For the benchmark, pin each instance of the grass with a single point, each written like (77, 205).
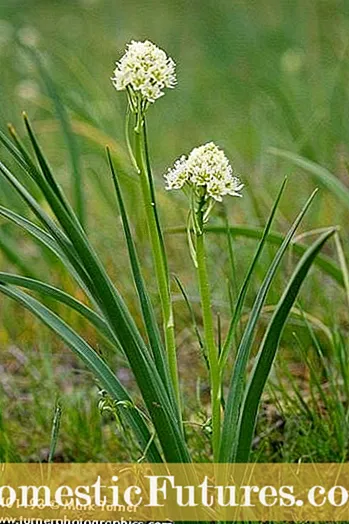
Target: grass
(251, 77)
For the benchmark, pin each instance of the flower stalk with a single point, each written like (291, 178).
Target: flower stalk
(211, 347)
(157, 252)
(143, 72)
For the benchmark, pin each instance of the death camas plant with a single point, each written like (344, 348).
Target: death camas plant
(206, 176)
(144, 72)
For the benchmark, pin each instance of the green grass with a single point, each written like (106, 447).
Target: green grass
(251, 76)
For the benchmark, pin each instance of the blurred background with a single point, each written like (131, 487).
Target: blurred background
(252, 75)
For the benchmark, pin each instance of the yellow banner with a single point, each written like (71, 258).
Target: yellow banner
(171, 492)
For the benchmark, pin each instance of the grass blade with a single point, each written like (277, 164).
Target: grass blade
(69, 136)
(325, 177)
(233, 405)
(268, 349)
(55, 431)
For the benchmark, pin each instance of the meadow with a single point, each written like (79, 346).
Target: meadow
(268, 82)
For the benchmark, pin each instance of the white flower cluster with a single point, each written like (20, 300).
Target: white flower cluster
(206, 167)
(146, 69)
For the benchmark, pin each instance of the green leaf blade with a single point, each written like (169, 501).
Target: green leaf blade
(243, 291)
(275, 239)
(235, 395)
(325, 177)
(81, 254)
(268, 349)
(64, 298)
(92, 360)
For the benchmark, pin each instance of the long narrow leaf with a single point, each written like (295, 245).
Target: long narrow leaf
(333, 184)
(233, 405)
(94, 363)
(9, 250)
(64, 298)
(51, 189)
(268, 349)
(49, 242)
(69, 136)
(56, 232)
(18, 157)
(144, 299)
(118, 318)
(276, 239)
(243, 291)
(24, 160)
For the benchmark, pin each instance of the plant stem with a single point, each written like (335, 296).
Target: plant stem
(158, 257)
(211, 348)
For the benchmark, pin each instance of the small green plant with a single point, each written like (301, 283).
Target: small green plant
(206, 176)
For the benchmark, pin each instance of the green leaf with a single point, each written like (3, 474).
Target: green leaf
(19, 159)
(325, 177)
(243, 291)
(48, 241)
(58, 235)
(144, 299)
(47, 182)
(80, 253)
(268, 349)
(235, 394)
(275, 239)
(94, 363)
(8, 248)
(69, 136)
(64, 298)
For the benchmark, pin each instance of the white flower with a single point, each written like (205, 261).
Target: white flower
(178, 175)
(145, 69)
(206, 168)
